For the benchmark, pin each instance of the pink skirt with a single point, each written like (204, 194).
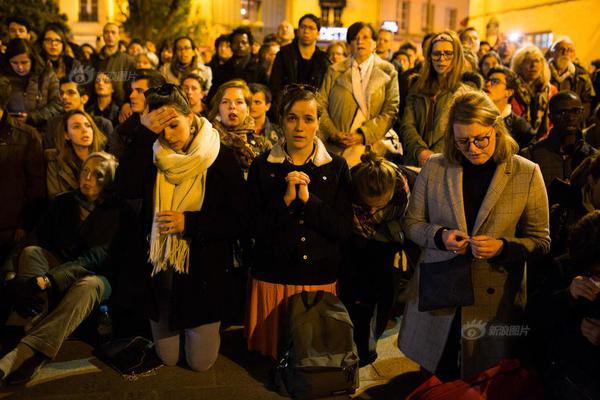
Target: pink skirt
(266, 309)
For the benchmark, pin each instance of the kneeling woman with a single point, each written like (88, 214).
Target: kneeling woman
(300, 200)
(192, 202)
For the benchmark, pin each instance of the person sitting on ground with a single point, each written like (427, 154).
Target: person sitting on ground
(79, 138)
(80, 248)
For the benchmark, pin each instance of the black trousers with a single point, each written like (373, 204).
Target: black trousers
(367, 290)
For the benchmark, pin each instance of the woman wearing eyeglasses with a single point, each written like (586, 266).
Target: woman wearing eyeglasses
(300, 202)
(480, 200)
(55, 49)
(193, 201)
(185, 61)
(429, 101)
(359, 98)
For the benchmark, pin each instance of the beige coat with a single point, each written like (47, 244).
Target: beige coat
(515, 208)
(340, 106)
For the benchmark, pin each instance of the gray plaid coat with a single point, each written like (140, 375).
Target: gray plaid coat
(515, 208)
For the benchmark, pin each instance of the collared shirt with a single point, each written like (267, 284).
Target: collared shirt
(364, 69)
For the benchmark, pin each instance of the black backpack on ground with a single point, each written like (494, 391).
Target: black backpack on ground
(319, 358)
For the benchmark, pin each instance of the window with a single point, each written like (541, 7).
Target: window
(543, 40)
(88, 10)
(451, 18)
(427, 13)
(403, 15)
(249, 9)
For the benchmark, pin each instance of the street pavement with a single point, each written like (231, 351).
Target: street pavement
(237, 374)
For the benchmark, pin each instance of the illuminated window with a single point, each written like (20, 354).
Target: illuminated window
(249, 9)
(451, 18)
(543, 40)
(88, 10)
(427, 14)
(403, 15)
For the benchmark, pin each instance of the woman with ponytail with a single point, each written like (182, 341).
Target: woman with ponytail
(379, 199)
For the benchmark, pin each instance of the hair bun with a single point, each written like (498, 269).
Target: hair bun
(369, 155)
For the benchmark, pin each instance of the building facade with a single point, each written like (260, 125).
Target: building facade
(541, 22)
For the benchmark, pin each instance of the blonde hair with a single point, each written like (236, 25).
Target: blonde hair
(64, 147)
(477, 108)
(216, 100)
(427, 81)
(531, 50)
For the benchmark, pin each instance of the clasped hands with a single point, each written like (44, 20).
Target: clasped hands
(297, 187)
(483, 247)
(348, 139)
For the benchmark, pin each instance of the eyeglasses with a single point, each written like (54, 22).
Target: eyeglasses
(566, 50)
(437, 55)
(569, 111)
(52, 41)
(495, 81)
(480, 142)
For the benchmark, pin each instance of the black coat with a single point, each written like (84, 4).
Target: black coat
(299, 244)
(96, 245)
(200, 296)
(285, 69)
(23, 176)
(249, 69)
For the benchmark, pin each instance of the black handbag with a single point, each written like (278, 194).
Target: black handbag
(445, 284)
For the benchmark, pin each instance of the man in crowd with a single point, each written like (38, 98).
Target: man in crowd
(300, 61)
(285, 33)
(565, 75)
(242, 65)
(500, 86)
(564, 148)
(131, 131)
(19, 28)
(116, 64)
(261, 103)
(470, 40)
(72, 97)
(385, 39)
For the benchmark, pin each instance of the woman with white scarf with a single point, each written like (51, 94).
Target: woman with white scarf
(193, 200)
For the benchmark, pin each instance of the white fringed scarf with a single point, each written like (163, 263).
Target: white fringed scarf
(180, 185)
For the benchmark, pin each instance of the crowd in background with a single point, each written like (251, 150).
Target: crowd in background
(167, 179)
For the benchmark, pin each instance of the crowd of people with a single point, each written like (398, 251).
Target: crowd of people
(191, 192)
